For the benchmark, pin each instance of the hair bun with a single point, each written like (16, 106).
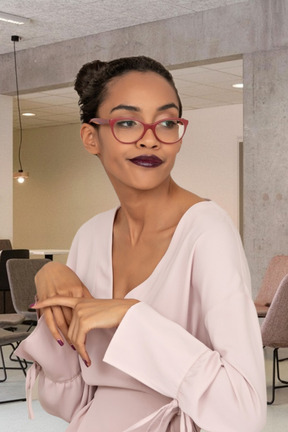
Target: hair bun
(92, 81)
(86, 74)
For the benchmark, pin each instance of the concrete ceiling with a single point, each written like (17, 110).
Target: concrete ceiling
(53, 21)
(199, 87)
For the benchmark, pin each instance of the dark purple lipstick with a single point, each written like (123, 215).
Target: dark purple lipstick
(147, 161)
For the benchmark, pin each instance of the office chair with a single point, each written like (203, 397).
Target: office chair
(5, 255)
(21, 274)
(276, 270)
(274, 331)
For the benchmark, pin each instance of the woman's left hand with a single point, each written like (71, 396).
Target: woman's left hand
(88, 314)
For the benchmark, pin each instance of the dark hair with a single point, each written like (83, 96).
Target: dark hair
(92, 79)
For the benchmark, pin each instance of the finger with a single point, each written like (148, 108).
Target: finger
(67, 312)
(49, 319)
(77, 335)
(60, 321)
(70, 302)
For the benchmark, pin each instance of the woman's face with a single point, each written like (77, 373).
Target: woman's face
(147, 97)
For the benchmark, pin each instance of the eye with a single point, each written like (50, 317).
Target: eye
(126, 124)
(169, 124)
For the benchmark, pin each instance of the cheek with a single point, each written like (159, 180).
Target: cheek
(111, 155)
(178, 147)
(174, 150)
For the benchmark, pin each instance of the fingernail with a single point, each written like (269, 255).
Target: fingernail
(60, 342)
(72, 346)
(86, 363)
(31, 306)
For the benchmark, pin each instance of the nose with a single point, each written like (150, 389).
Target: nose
(148, 140)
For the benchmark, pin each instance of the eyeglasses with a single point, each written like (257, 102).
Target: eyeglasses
(130, 131)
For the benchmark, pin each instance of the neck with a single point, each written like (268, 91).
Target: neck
(145, 211)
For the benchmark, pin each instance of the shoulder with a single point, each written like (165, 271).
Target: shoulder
(93, 235)
(217, 245)
(99, 223)
(211, 234)
(208, 217)
(200, 213)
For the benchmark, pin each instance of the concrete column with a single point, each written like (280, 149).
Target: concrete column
(6, 167)
(265, 210)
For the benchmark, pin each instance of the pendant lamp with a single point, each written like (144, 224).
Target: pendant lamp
(20, 175)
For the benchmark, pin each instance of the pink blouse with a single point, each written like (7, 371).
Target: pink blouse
(187, 356)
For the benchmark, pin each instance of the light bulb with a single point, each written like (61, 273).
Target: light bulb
(238, 85)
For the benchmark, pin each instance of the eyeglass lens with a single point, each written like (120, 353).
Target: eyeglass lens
(167, 131)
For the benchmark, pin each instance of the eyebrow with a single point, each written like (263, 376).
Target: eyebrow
(167, 106)
(137, 109)
(126, 108)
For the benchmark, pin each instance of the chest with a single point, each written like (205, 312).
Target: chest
(132, 265)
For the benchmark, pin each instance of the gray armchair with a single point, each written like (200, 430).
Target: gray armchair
(5, 255)
(5, 244)
(21, 274)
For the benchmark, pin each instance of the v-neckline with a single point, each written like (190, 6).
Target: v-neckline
(160, 263)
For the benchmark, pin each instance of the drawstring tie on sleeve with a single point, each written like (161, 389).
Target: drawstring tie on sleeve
(160, 420)
(31, 377)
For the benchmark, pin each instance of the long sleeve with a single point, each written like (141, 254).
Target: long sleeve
(208, 356)
(218, 394)
(62, 391)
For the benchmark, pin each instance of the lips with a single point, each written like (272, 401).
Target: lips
(147, 161)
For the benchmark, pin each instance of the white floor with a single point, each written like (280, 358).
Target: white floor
(14, 418)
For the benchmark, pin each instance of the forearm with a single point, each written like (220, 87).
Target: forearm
(61, 388)
(219, 391)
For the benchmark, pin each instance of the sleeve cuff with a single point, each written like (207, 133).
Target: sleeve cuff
(153, 349)
(58, 363)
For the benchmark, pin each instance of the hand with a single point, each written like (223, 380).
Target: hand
(58, 279)
(88, 314)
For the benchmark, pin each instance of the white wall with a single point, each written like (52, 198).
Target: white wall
(67, 185)
(6, 170)
(208, 163)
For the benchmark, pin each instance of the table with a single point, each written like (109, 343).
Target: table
(48, 253)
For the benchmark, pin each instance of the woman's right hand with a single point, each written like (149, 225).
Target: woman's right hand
(57, 279)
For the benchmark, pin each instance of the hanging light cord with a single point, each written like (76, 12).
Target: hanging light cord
(18, 106)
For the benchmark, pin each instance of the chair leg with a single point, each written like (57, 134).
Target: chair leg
(17, 358)
(22, 363)
(13, 400)
(5, 376)
(276, 368)
(4, 366)
(283, 359)
(273, 377)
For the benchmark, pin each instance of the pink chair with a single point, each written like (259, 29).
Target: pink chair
(274, 331)
(276, 270)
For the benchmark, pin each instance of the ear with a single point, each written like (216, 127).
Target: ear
(89, 137)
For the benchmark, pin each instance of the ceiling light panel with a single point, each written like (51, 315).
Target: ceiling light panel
(13, 19)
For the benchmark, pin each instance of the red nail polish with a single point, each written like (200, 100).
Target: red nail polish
(72, 346)
(86, 363)
(60, 342)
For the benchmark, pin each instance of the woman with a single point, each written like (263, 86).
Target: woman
(155, 298)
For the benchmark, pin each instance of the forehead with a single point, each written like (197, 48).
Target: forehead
(138, 87)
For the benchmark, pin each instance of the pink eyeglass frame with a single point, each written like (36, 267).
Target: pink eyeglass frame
(152, 126)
